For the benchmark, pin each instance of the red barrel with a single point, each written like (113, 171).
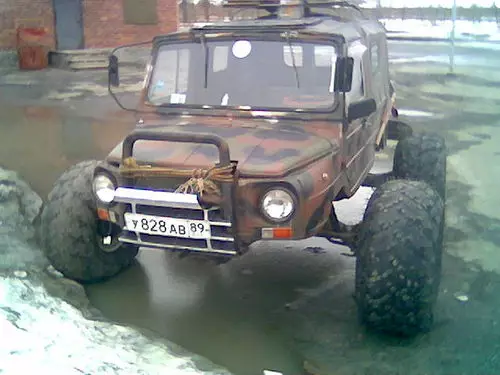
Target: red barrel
(32, 54)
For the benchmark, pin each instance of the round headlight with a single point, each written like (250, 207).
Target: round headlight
(104, 188)
(278, 205)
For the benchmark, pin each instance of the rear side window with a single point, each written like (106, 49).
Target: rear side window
(357, 90)
(357, 50)
(374, 57)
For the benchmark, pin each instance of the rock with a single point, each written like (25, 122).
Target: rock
(17, 254)
(19, 208)
(20, 205)
(53, 272)
(20, 274)
(47, 321)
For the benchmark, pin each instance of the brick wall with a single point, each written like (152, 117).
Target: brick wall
(103, 22)
(29, 13)
(105, 27)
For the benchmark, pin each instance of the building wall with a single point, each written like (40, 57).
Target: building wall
(105, 25)
(29, 13)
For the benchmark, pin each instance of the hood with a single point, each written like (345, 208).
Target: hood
(260, 152)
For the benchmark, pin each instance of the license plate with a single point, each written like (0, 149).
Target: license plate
(165, 226)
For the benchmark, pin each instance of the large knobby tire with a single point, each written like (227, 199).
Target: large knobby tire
(422, 157)
(398, 265)
(68, 230)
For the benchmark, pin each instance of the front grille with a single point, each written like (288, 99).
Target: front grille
(177, 206)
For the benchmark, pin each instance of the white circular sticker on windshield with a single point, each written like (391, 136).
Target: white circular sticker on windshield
(242, 48)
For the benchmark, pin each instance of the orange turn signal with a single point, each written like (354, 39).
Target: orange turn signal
(277, 233)
(103, 214)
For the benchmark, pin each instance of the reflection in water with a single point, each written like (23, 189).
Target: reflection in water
(231, 314)
(41, 142)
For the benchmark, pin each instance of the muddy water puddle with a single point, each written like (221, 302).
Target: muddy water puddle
(190, 304)
(231, 314)
(41, 142)
(274, 308)
(236, 314)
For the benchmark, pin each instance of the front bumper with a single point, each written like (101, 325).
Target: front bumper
(167, 205)
(235, 222)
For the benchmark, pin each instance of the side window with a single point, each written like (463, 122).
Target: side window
(358, 89)
(357, 51)
(374, 58)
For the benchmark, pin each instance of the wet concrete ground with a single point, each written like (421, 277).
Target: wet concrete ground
(283, 304)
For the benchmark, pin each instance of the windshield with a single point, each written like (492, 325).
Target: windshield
(258, 74)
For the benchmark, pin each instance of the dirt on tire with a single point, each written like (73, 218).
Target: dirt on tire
(68, 230)
(398, 265)
(422, 157)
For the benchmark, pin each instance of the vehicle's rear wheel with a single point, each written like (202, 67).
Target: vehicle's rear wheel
(422, 157)
(68, 230)
(398, 130)
(399, 250)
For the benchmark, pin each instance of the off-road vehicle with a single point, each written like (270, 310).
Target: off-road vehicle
(252, 130)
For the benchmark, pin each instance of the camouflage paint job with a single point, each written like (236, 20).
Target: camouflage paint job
(320, 158)
(260, 151)
(304, 158)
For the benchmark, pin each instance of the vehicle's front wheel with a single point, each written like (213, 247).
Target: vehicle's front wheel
(399, 250)
(68, 230)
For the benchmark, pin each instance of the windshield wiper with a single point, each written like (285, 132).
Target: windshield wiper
(293, 60)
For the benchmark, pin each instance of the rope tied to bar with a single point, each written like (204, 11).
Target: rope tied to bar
(201, 181)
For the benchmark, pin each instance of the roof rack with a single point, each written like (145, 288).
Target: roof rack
(278, 4)
(273, 6)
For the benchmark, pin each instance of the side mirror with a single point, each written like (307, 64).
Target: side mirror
(113, 73)
(343, 74)
(363, 108)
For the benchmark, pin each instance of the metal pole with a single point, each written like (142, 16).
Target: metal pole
(452, 36)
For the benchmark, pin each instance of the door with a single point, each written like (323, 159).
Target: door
(357, 153)
(69, 24)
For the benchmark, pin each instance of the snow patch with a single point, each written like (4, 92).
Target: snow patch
(350, 211)
(484, 31)
(415, 113)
